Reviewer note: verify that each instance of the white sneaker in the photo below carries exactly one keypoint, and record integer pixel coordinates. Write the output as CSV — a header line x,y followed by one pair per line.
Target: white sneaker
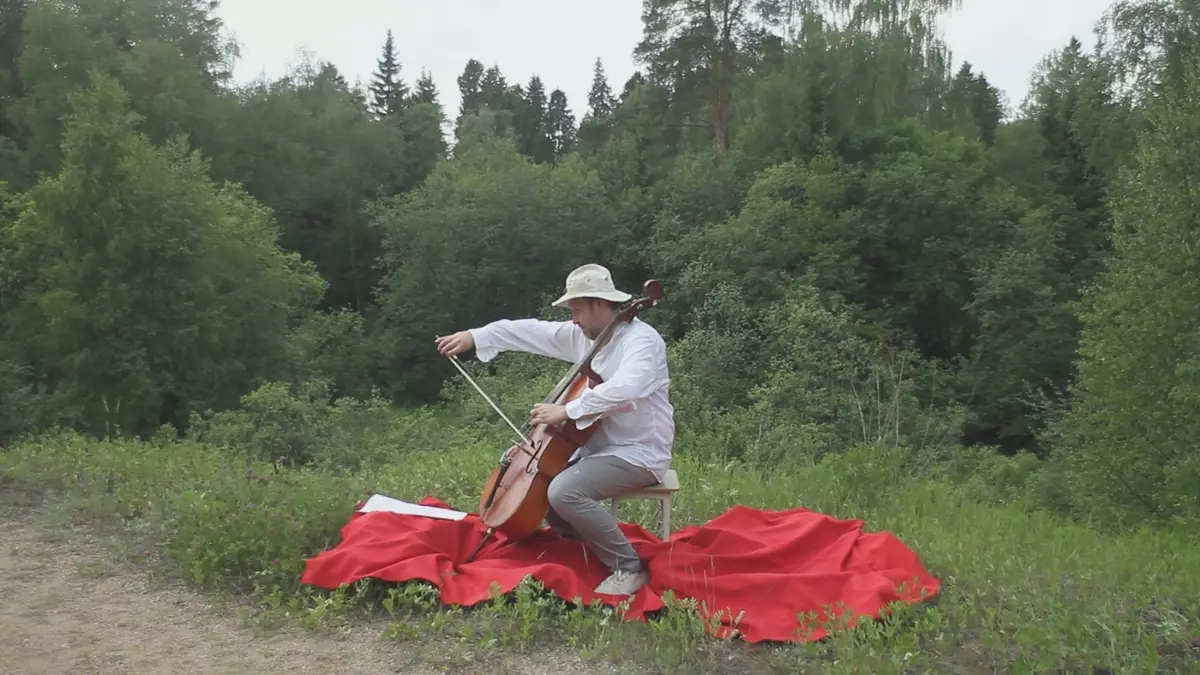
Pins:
x,y
623,583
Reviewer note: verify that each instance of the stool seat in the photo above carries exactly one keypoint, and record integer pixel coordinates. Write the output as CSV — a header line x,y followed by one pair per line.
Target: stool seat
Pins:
x,y
669,484
662,491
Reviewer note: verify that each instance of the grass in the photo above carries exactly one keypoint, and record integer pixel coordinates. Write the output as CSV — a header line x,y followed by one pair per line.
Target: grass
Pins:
x,y
1023,592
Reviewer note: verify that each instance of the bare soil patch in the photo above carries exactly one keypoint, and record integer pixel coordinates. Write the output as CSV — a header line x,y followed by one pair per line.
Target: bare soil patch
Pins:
x,y
69,605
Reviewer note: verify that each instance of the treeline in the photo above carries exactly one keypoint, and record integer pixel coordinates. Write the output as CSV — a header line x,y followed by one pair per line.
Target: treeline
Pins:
x,y
860,239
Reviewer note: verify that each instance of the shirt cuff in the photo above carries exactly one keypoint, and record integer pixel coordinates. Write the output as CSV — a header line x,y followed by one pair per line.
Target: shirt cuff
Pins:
x,y
484,351
575,412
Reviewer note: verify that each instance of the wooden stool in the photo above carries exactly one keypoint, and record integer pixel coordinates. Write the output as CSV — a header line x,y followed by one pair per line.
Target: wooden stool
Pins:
x,y
663,492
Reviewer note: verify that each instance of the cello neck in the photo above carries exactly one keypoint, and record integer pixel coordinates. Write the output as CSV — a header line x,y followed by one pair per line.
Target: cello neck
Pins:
x,y
652,293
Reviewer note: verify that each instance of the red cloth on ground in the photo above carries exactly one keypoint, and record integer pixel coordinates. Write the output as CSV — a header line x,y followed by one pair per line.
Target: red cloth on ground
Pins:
x,y
767,566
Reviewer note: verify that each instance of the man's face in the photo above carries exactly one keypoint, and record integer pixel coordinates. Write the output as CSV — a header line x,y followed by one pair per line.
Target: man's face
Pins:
x,y
590,315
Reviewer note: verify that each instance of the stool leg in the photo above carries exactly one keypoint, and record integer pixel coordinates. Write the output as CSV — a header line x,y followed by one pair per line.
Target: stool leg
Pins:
x,y
666,517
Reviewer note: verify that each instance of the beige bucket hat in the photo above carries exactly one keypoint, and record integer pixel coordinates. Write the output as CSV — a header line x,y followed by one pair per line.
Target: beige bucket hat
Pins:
x,y
591,281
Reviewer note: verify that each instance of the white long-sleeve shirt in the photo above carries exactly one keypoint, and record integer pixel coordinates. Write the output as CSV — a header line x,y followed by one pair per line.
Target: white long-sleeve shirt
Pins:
x,y
639,420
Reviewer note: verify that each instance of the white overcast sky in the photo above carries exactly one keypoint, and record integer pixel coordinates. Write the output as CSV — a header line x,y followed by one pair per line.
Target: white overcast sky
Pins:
x,y
561,39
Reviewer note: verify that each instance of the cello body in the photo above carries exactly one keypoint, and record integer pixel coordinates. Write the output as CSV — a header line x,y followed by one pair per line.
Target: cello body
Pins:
x,y
515,498
518,487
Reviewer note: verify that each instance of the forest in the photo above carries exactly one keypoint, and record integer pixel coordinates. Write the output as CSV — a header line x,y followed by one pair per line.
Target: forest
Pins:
x,y
904,295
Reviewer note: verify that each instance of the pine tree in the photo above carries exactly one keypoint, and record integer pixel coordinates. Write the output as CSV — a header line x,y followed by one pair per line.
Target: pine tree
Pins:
x,y
974,105
532,126
426,91
493,90
1063,104
560,124
470,85
600,99
388,91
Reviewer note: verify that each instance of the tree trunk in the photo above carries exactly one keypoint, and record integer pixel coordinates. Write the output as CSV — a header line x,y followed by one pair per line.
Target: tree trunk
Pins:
x,y
720,113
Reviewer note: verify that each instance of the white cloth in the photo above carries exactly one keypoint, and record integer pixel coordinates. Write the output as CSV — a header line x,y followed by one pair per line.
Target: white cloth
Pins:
x,y
639,420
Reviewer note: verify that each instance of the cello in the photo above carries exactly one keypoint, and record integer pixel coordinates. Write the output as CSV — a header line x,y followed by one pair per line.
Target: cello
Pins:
x,y
514,500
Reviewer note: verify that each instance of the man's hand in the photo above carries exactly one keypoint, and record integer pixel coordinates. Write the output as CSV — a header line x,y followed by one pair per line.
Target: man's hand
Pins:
x,y
449,345
548,413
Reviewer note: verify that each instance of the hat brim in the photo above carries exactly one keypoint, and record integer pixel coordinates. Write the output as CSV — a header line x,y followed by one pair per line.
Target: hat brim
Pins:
x,y
615,296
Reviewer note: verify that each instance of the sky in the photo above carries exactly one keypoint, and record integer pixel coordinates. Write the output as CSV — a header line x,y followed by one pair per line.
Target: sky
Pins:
x,y
1005,39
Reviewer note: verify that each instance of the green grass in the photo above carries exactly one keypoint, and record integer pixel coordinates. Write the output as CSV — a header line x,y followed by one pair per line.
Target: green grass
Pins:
x,y
1023,592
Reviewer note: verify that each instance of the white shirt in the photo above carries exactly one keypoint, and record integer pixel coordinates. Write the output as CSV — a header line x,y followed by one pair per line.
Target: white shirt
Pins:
x,y
639,420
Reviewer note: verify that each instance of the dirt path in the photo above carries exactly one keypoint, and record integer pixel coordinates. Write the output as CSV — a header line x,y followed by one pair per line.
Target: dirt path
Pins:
x,y
69,606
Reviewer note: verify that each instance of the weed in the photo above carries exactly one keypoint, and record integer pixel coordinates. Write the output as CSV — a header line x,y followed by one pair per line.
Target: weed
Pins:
x,y
1023,591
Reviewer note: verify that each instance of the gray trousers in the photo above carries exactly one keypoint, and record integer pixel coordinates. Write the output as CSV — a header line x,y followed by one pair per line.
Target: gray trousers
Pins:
x,y
577,512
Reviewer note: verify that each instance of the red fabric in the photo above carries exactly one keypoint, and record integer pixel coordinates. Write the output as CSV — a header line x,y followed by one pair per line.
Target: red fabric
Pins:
x,y
768,566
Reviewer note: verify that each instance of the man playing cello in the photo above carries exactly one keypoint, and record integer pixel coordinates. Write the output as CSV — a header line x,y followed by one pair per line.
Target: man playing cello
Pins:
x,y
632,449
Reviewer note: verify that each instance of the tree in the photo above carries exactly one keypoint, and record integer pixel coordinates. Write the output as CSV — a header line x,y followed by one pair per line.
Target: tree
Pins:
x,y
470,84
533,124
489,231
600,97
974,106
12,14
1068,102
1151,44
426,91
388,91
698,45
596,126
488,98
1129,441
156,292
560,125
699,48
169,56
306,148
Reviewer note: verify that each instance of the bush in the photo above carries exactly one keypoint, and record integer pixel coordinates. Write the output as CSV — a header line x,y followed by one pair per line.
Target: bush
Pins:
x,y
18,400
253,530
302,425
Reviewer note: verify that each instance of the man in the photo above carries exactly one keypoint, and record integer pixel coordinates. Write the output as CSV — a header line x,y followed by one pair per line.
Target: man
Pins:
x,y
632,448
